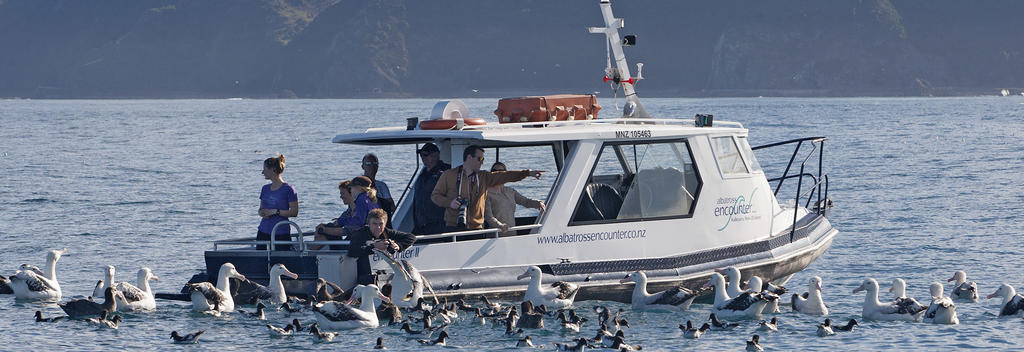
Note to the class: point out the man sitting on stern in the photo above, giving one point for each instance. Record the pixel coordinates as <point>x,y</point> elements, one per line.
<point>375,235</point>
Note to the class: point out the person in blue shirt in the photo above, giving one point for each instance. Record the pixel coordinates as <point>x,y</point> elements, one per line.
<point>365,195</point>
<point>278,202</point>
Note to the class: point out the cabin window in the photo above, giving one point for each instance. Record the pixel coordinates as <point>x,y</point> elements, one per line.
<point>748,154</point>
<point>728,156</point>
<point>639,181</point>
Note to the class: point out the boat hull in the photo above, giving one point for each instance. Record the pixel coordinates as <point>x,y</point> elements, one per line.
<point>775,258</point>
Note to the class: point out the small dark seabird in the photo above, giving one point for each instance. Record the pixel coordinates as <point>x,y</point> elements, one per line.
<point>581,345</point>
<point>721,325</point>
<point>754,345</point>
<point>441,340</point>
<point>845,328</point>
<point>526,341</point>
<point>190,338</point>
<point>259,312</point>
<point>380,344</point>
<point>40,319</point>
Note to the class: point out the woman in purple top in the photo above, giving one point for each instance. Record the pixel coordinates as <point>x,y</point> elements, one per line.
<point>365,200</point>
<point>278,202</point>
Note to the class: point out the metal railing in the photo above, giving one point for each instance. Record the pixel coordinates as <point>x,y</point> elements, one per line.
<point>301,245</point>
<point>819,181</point>
<point>620,121</point>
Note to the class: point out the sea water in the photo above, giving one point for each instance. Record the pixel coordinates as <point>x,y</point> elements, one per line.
<point>921,186</point>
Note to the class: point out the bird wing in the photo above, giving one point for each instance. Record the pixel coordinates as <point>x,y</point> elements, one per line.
<point>966,290</point>
<point>1013,306</point>
<point>34,281</point>
<point>673,296</point>
<point>212,294</point>
<point>249,291</point>
<point>770,287</point>
<point>130,292</point>
<point>565,290</point>
<point>742,302</point>
<point>907,305</point>
<point>335,311</point>
<point>393,263</point>
<point>82,307</point>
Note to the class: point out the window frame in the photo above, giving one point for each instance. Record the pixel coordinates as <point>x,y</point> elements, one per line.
<point>696,194</point>
<point>714,153</point>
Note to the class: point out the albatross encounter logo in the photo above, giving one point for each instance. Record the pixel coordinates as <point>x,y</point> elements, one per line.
<point>735,208</point>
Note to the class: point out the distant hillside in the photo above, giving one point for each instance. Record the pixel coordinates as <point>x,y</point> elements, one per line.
<point>395,48</point>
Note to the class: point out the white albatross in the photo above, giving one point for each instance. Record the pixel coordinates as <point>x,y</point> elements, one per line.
<point>963,290</point>
<point>1013,303</point>
<point>558,296</point>
<point>337,315</point>
<point>734,276</point>
<point>407,283</point>
<point>942,310</point>
<point>746,305</point>
<point>207,297</point>
<point>108,281</point>
<point>756,285</point>
<point>810,302</point>
<point>137,297</point>
<point>676,297</point>
<point>899,291</point>
<point>30,285</point>
<point>875,310</point>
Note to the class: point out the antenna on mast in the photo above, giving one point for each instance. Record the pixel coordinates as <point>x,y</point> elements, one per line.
<point>619,74</point>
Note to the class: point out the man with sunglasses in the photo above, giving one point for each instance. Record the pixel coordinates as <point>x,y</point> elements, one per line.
<point>467,184</point>
<point>370,166</point>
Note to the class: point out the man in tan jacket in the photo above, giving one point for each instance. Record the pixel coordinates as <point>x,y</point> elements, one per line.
<point>472,188</point>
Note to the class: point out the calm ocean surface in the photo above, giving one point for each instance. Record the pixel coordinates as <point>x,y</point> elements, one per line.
<point>922,187</point>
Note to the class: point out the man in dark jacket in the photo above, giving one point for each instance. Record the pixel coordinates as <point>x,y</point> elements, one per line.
<point>375,235</point>
<point>428,218</point>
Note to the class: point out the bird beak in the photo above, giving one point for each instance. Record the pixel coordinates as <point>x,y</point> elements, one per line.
<point>706,284</point>
<point>951,279</point>
<point>891,288</point>
<point>720,271</point>
<point>523,276</point>
<point>819,287</point>
<point>624,279</point>
<point>383,297</point>
<point>154,278</point>
<point>992,295</point>
<point>240,276</point>
<point>291,275</point>
<point>858,289</point>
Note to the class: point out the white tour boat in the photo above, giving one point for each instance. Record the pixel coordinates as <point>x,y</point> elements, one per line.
<point>673,197</point>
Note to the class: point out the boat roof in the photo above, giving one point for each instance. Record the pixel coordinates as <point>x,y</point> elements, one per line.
<point>544,132</point>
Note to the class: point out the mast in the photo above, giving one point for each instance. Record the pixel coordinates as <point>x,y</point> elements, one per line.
<point>620,72</point>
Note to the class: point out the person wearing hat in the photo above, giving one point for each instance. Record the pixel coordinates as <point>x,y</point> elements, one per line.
<point>365,200</point>
<point>428,218</point>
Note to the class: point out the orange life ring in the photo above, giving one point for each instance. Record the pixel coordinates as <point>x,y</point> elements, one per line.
<point>447,124</point>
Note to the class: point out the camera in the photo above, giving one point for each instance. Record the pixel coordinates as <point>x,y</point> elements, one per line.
<point>463,202</point>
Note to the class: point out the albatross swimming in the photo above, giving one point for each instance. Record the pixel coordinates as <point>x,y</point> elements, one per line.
<point>874,310</point>
<point>336,315</point>
<point>676,297</point>
<point>558,295</point>
<point>36,286</point>
<point>1013,302</point>
<point>942,310</point>
<point>963,290</point>
<point>206,296</point>
<point>810,302</point>
<point>137,297</point>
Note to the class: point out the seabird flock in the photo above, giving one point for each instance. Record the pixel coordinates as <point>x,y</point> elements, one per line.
<point>336,309</point>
